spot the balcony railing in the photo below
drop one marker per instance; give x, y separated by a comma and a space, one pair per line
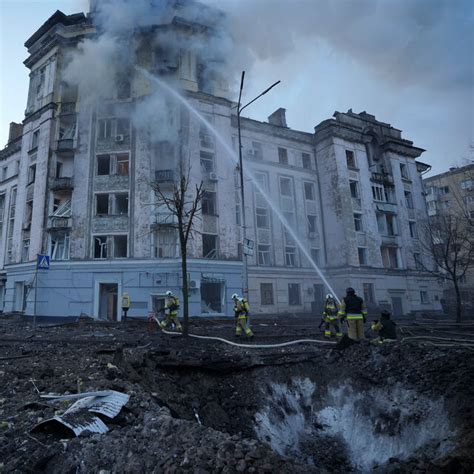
66, 144
62, 184
59, 223
164, 176
67, 108
382, 178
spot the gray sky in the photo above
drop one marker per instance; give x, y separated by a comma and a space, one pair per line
408, 62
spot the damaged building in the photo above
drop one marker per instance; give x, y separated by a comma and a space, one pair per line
76, 174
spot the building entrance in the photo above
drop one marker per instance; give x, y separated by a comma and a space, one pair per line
108, 294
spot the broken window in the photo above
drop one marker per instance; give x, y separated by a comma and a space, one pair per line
28, 214
122, 127
103, 165
354, 187
121, 204
100, 246
120, 246
362, 252
207, 140
31, 174
122, 165
207, 162
309, 191
294, 294
211, 296
35, 139
282, 156
102, 204
391, 224
350, 159
60, 246
266, 293
123, 87
306, 160
389, 257
263, 218
311, 224
404, 171
290, 256
4, 173
208, 203
285, 187
409, 199
264, 255
358, 222
209, 246
165, 243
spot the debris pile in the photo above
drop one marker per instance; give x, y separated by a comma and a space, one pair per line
202, 406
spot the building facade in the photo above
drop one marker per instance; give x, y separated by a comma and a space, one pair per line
452, 194
346, 197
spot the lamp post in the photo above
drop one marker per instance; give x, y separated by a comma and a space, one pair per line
245, 275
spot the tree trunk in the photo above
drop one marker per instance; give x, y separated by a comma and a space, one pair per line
184, 273
458, 301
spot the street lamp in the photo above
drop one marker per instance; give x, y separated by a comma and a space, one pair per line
245, 276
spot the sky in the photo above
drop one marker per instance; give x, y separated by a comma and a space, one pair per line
408, 62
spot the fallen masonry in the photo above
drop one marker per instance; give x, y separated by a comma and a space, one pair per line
204, 406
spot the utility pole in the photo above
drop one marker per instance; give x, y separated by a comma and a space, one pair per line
245, 274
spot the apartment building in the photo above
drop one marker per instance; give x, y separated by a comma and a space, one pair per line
452, 194
351, 192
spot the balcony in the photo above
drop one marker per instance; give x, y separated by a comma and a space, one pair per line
386, 207
58, 223
384, 178
62, 184
390, 240
161, 220
65, 145
164, 176
67, 108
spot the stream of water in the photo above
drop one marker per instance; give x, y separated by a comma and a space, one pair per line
234, 156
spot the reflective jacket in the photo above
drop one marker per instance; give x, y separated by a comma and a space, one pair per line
386, 328
241, 307
353, 307
172, 305
330, 312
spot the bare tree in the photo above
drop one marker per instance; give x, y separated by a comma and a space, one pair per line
450, 241
183, 206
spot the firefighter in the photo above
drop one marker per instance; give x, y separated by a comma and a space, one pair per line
171, 312
385, 328
354, 311
125, 305
331, 317
241, 311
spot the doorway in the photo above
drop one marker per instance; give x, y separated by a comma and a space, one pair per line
157, 304
211, 297
397, 306
108, 297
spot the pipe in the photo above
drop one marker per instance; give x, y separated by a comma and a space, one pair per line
254, 346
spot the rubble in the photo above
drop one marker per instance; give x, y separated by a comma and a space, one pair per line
193, 404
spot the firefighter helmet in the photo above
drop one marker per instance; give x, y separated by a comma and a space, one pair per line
235, 296
350, 291
169, 293
329, 296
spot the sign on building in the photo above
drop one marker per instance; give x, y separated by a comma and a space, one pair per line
42, 262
